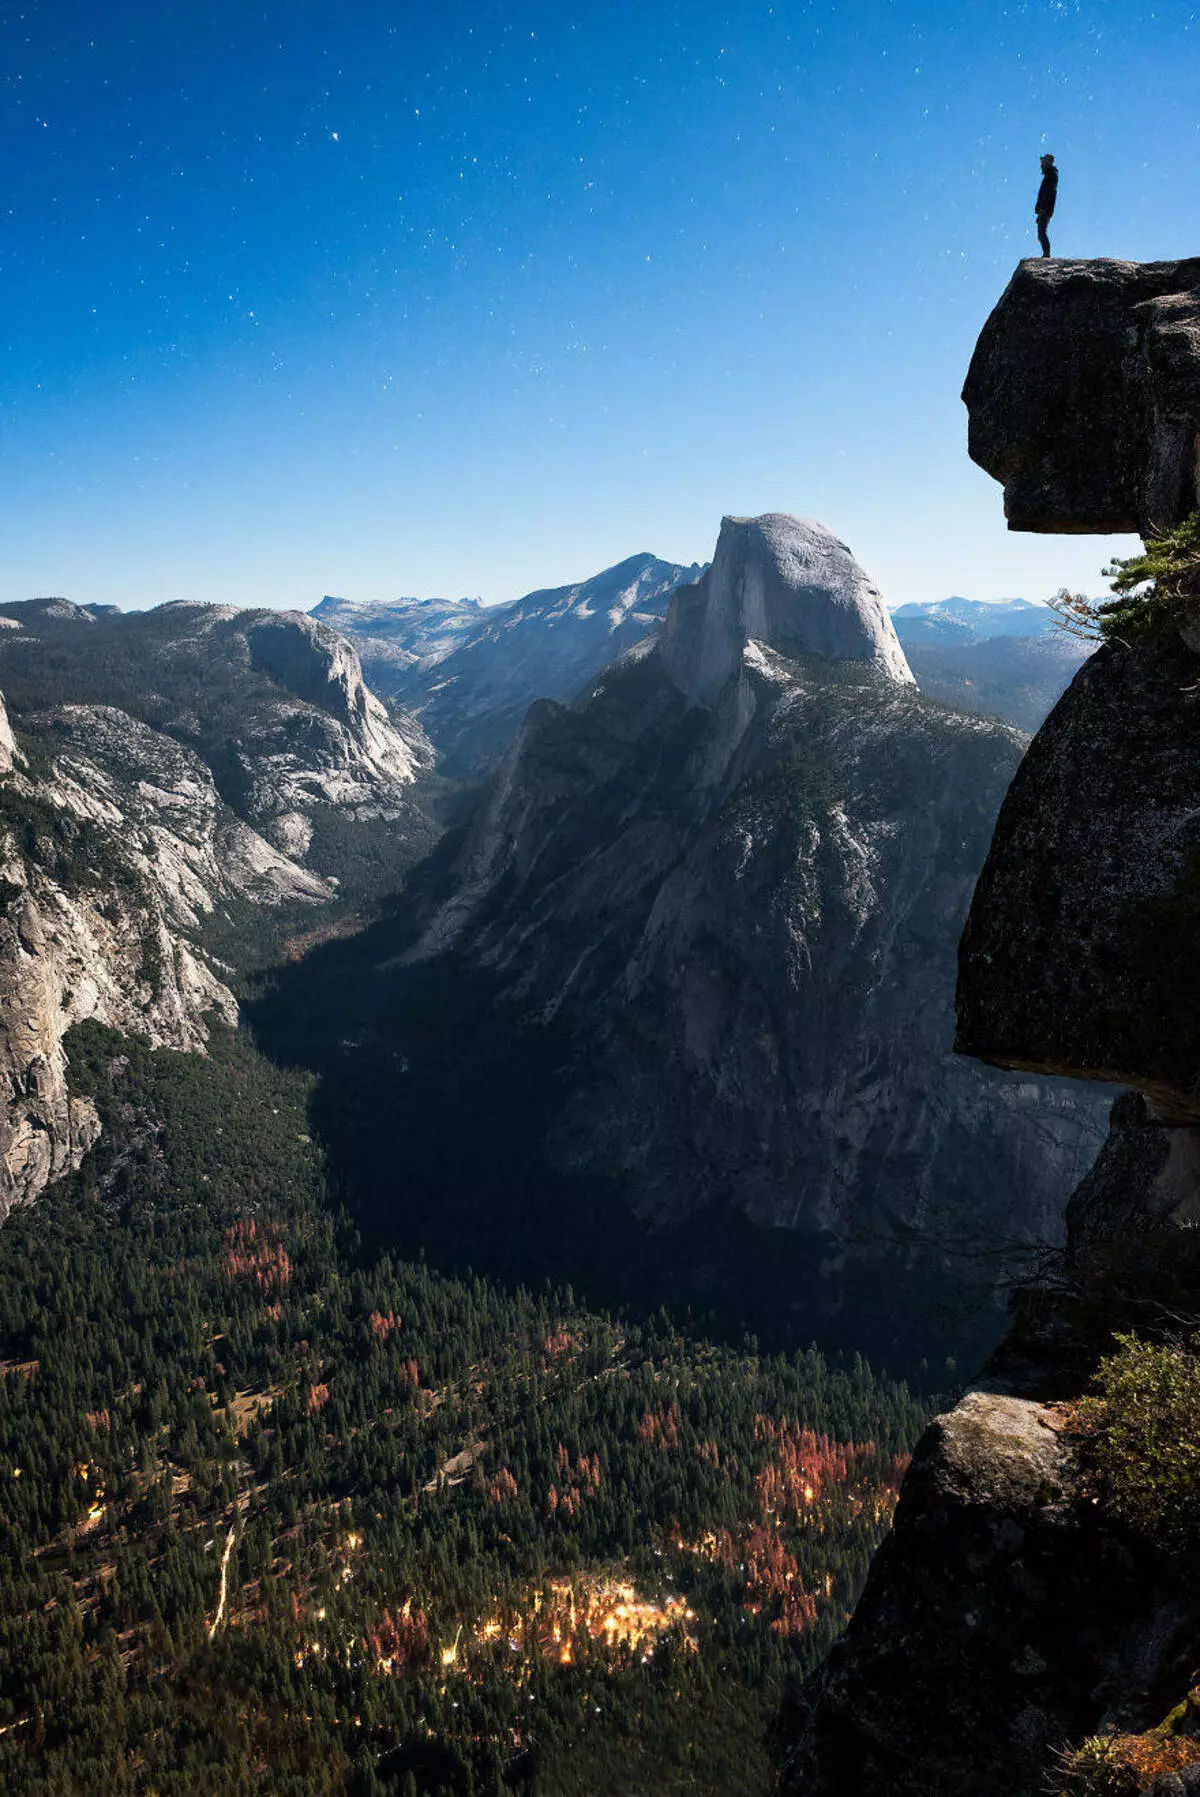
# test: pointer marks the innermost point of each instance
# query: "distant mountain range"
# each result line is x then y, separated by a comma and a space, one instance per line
958, 620
405, 634
471, 672
1004, 658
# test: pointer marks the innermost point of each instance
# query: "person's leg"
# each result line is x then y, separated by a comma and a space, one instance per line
1042, 237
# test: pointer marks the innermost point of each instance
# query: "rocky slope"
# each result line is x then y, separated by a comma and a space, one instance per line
274, 703
471, 673
115, 852
734, 874
182, 775
1010, 1615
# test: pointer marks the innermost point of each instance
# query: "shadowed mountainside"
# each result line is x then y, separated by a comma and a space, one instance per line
699, 957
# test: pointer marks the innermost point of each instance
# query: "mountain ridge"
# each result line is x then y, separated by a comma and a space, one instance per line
969, 620
684, 885
273, 702
211, 802
472, 687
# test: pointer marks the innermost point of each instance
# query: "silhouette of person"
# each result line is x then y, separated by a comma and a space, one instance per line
1047, 194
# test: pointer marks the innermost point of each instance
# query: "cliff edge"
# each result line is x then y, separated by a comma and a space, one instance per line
1010, 1617
1084, 395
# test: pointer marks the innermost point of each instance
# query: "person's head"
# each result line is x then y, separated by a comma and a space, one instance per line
1047, 162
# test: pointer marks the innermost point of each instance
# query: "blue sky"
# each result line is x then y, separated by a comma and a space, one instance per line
378, 299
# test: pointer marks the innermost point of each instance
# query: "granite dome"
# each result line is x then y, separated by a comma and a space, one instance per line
787, 583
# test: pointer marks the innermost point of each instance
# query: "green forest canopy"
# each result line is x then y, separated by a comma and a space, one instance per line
473, 1539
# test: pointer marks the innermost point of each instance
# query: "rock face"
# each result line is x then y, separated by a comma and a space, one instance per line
273, 703
1078, 954
1002, 1620
781, 581
110, 859
470, 673
113, 771
1008, 1617
744, 910
1084, 395
123, 846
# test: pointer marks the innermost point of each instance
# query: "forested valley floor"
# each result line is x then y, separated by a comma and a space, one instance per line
282, 1513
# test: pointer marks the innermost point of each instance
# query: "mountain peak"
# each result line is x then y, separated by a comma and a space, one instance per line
27, 611
787, 583
958, 620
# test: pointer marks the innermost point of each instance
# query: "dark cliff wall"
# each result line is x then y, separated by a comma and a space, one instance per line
1084, 395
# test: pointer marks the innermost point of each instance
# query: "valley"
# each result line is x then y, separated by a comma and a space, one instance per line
325, 1371
599, 890
440, 1268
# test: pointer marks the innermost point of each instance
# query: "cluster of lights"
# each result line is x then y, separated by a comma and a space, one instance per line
568, 1614
96, 1509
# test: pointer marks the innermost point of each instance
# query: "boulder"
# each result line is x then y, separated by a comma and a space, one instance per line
1079, 955
1003, 1617
1084, 395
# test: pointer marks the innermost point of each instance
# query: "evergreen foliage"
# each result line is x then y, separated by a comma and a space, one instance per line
1157, 591
1141, 1441
1159, 588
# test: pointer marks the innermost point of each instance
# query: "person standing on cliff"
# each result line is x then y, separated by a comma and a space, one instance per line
1047, 194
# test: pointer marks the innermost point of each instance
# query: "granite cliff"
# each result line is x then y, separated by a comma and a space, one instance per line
115, 851
1084, 395
731, 876
176, 778
274, 704
1011, 1615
